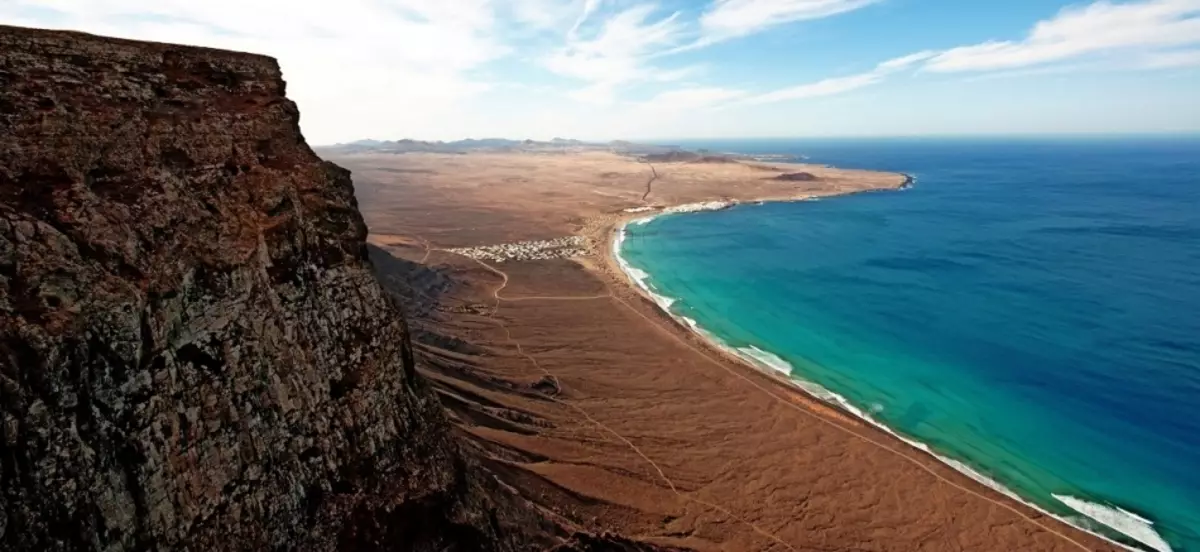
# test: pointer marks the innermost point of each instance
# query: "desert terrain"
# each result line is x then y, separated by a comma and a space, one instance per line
594, 406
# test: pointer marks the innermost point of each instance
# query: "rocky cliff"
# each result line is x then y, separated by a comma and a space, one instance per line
193, 351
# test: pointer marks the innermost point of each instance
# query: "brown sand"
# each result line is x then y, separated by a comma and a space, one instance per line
586, 399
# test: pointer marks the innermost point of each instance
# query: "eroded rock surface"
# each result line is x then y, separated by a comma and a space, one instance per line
193, 351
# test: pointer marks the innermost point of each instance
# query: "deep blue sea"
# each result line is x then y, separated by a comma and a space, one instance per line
1030, 308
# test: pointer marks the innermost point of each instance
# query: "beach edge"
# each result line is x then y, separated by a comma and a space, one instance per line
609, 245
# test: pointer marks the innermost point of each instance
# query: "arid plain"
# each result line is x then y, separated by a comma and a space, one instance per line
593, 405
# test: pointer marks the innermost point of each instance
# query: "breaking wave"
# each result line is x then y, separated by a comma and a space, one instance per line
1127, 523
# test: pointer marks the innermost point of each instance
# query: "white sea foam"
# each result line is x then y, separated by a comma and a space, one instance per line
638, 275
642, 209
662, 301
976, 476
764, 359
707, 335
1127, 523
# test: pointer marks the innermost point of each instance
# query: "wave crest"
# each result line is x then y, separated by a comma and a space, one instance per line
1125, 522
764, 359
638, 275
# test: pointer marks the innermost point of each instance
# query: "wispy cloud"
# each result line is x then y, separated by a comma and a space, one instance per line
1102, 27
1099, 28
618, 53
631, 41
589, 7
840, 85
690, 99
825, 87
903, 62
544, 14
1171, 60
734, 18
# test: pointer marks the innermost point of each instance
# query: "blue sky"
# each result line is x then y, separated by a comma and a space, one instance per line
639, 69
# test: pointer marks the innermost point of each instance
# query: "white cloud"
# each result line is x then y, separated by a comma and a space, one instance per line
589, 7
825, 87
629, 41
1099, 28
618, 53
561, 16
903, 62
689, 99
841, 85
734, 18
1171, 60
359, 70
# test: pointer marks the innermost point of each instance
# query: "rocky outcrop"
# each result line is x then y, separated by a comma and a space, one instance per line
193, 351
797, 177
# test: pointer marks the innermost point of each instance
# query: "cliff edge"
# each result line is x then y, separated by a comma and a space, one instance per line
193, 350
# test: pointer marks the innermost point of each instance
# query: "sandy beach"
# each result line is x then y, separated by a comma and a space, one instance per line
603, 411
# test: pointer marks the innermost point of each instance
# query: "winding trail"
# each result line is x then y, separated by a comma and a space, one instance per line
653, 177
428, 250
600, 425
557, 297
708, 357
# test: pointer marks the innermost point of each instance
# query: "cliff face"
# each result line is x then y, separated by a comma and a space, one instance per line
193, 351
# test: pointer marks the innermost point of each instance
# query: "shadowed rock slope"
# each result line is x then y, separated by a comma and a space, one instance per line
194, 353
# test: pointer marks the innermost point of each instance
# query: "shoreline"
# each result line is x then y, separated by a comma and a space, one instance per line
612, 453
766, 363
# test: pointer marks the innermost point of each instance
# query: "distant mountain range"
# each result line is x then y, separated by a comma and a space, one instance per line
493, 144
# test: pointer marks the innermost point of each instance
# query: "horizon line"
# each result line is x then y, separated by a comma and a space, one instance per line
650, 140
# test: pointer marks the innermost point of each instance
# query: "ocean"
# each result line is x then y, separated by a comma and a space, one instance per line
1029, 310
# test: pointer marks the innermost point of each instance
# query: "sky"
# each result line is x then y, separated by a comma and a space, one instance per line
641, 69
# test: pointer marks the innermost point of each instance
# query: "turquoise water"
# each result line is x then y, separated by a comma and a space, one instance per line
1029, 307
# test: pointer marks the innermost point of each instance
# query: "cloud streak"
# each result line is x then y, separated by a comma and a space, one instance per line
618, 53
840, 85
1097, 29
728, 19
629, 41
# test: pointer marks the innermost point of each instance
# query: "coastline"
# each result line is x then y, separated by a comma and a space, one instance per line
613, 442
779, 372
